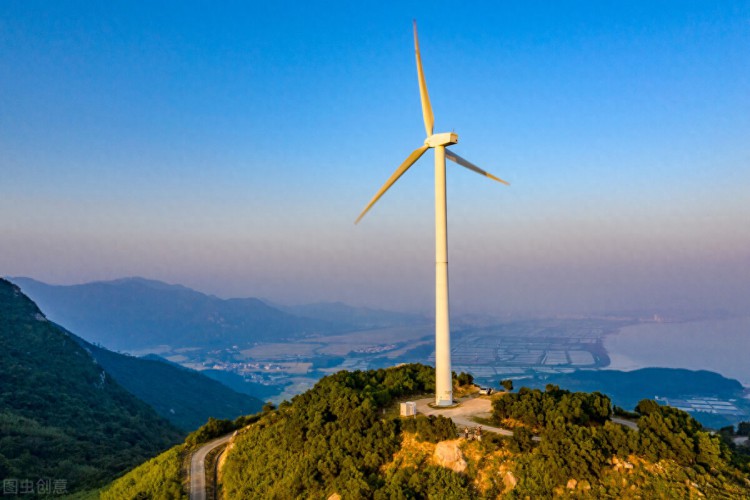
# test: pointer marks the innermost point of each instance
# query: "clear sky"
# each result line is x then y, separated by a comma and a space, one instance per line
229, 147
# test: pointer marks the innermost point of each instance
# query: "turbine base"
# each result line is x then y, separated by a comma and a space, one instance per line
443, 403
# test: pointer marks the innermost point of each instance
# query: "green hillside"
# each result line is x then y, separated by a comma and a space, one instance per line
669, 456
343, 437
158, 478
61, 415
185, 397
335, 439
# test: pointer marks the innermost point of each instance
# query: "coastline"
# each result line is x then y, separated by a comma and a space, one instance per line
718, 345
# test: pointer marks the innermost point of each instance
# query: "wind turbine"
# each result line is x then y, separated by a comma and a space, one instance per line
443, 380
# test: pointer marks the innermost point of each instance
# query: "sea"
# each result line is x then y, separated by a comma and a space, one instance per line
721, 346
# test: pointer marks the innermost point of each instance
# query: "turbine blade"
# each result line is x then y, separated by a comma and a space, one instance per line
413, 157
466, 163
429, 119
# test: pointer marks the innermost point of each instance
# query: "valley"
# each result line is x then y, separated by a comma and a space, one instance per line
226, 233
533, 352
237, 345
536, 353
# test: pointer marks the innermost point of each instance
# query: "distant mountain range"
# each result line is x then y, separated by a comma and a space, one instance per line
136, 313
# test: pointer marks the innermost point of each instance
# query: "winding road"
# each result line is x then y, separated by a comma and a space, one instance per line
627, 423
198, 467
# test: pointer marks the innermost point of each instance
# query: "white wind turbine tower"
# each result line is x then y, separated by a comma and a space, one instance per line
443, 381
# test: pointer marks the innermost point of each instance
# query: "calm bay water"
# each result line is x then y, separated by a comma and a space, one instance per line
721, 346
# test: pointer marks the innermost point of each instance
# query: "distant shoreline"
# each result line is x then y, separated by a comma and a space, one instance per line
718, 345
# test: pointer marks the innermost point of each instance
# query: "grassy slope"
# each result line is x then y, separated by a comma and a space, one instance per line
160, 477
491, 470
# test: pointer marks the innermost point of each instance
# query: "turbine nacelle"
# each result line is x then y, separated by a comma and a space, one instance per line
444, 139
432, 141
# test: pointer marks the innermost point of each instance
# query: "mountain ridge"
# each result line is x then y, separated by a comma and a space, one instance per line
137, 313
62, 415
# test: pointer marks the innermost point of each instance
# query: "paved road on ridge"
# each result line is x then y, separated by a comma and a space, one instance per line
198, 467
626, 423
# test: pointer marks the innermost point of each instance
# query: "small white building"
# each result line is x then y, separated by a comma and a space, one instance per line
408, 409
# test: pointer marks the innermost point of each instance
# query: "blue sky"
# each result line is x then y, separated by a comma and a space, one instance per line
230, 148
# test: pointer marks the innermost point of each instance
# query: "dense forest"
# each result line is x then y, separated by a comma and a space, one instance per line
578, 441
344, 437
332, 438
61, 416
341, 437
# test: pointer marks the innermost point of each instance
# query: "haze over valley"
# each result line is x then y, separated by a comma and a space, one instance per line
275, 352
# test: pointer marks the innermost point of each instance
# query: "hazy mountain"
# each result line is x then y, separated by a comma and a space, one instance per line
61, 414
185, 397
356, 318
136, 313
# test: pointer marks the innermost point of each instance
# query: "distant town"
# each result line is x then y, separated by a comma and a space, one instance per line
532, 349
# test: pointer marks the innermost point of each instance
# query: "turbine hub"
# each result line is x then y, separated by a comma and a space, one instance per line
444, 139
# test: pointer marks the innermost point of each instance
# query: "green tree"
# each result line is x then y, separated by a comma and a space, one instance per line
465, 379
212, 429
431, 428
268, 407
708, 450
522, 440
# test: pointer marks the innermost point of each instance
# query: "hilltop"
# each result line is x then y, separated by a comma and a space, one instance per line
344, 438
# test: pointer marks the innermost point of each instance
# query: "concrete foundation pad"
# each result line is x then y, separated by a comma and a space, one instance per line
455, 404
